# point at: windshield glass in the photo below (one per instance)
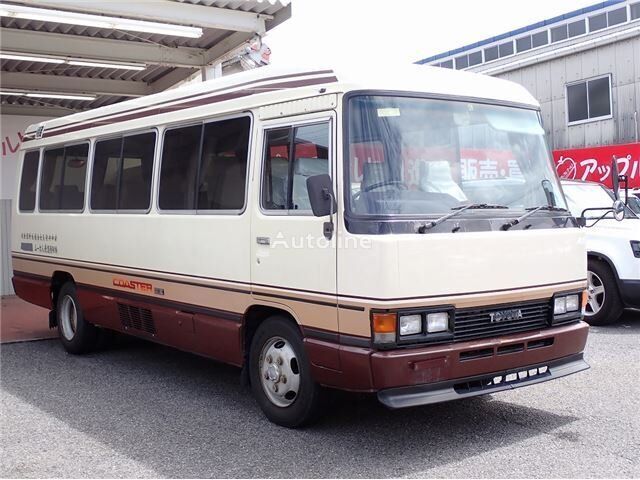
(414, 156)
(581, 197)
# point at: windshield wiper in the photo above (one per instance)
(531, 211)
(457, 211)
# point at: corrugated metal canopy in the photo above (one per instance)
(167, 59)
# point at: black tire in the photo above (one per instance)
(612, 308)
(306, 406)
(81, 337)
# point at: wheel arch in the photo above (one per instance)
(606, 260)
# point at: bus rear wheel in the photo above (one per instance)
(76, 334)
(280, 374)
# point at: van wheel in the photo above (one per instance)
(280, 374)
(77, 335)
(603, 305)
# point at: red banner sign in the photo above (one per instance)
(594, 164)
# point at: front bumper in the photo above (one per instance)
(481, 385)
(630, 293)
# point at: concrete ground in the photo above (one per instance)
(20, 321)
(142, 410)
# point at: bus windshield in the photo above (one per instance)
(417, 156)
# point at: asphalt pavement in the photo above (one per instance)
(143, 410)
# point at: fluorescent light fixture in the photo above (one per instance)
(28, 58)
(5, 92)
(63, 96)
(98, 21)
(120, 66)
(79, 62)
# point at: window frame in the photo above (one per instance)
(586, 81)
(37, 185)
(330, 120)
(122, 136)
(202, 122)
(88, 167)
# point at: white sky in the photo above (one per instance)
(333, 32)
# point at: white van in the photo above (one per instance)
(614, 252)
(397, 232)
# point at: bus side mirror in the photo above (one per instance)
(581, 221)
(321, 195)
(619, 210)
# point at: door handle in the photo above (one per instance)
(263, 240)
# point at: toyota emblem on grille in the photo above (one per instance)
(505, 315)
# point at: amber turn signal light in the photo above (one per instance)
(384, 322)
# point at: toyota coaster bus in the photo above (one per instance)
(400, 232)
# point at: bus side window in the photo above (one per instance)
(223, 172)
(179, 168)
(122, 171)
(63, 178)
(27, 199)
(284, 183)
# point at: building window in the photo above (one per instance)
(475, 58)
(122, 171)
(616, 17)
(635, 11)
(506, 49)
(63, 178)
(447, 64)
(589, 100)
(539, 39)
(27, 199)
(577, 28)
(284, 182)
(523, 44)
(462, 62)
(559, 33)
(597, 22)
(490, 54)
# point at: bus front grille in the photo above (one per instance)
(473, 323)
(136, 318)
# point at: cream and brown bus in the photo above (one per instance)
(399, 232)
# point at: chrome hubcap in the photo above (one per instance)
(279, 372)
(596, 294)
(68, 317)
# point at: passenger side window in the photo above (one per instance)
(204, 167)
(27, 199)
(292, 155)
(63, 178)
(122, 172)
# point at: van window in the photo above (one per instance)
(292, 155)
(180, 155)
(27, 200)
(122, 172)
(223, 173)
(204, 167)
(63, 178)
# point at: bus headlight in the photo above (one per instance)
(566, 304)
(410, 324)
(437, 322)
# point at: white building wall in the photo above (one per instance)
(11, 127)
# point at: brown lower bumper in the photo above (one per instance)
(365, 369)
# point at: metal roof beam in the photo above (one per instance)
(63, 84)
(35, 110)
(118, 51)
(166, 11)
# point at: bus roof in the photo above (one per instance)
(269, 85)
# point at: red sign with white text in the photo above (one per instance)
(594, 164)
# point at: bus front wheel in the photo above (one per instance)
(77, 335)
(280, 374)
